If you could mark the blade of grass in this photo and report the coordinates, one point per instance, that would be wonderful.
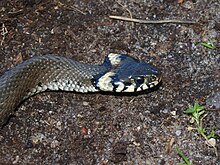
(208, 45)
(183, 156)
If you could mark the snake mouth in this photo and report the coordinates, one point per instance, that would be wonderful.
(154, 81)
(137, 84)
(111, 82)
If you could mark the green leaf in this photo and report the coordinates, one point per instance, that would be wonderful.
(195, 108)
(208, 45)
(190, 110)
(198, 107)
(212, 134)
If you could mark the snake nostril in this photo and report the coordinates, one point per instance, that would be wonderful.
(153, 78)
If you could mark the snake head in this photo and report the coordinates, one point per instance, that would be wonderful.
(127, 74)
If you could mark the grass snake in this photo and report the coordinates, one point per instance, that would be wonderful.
(118, 73)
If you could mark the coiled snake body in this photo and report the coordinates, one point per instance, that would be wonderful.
(118, 73)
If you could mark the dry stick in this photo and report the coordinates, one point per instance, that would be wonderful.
(151, 22)
(127, 11)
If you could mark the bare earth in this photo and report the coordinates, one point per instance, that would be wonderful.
(74, 128)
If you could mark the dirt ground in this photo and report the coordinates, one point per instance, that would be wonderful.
(84, 129)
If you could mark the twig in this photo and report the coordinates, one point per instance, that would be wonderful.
(4, 32)
(124, 7)
(15, 13)
(151, 22)
(217, 109)
(71, 8)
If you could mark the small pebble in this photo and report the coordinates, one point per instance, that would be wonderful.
(173, 113)
(85, 103)
(37, 138)
(165, 111)
(54, 144)
(214, 101)
(59, 125)
(178, 132)
(16, 160)
(211, 142)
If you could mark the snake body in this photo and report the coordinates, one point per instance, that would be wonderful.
(118, 73)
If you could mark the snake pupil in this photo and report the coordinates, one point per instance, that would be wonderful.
(139, 81)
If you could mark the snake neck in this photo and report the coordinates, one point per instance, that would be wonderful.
(43, 73)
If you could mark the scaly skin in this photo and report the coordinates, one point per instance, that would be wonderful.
(50, 72)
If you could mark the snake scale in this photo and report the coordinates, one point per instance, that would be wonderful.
(118, 73)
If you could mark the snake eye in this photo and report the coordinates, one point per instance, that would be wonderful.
(139, 80)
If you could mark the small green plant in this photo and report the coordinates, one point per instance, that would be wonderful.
(197, 111)
(187, 162)
(209, 44)
(198, 114)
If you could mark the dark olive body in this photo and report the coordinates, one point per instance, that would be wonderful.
(118, 73)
